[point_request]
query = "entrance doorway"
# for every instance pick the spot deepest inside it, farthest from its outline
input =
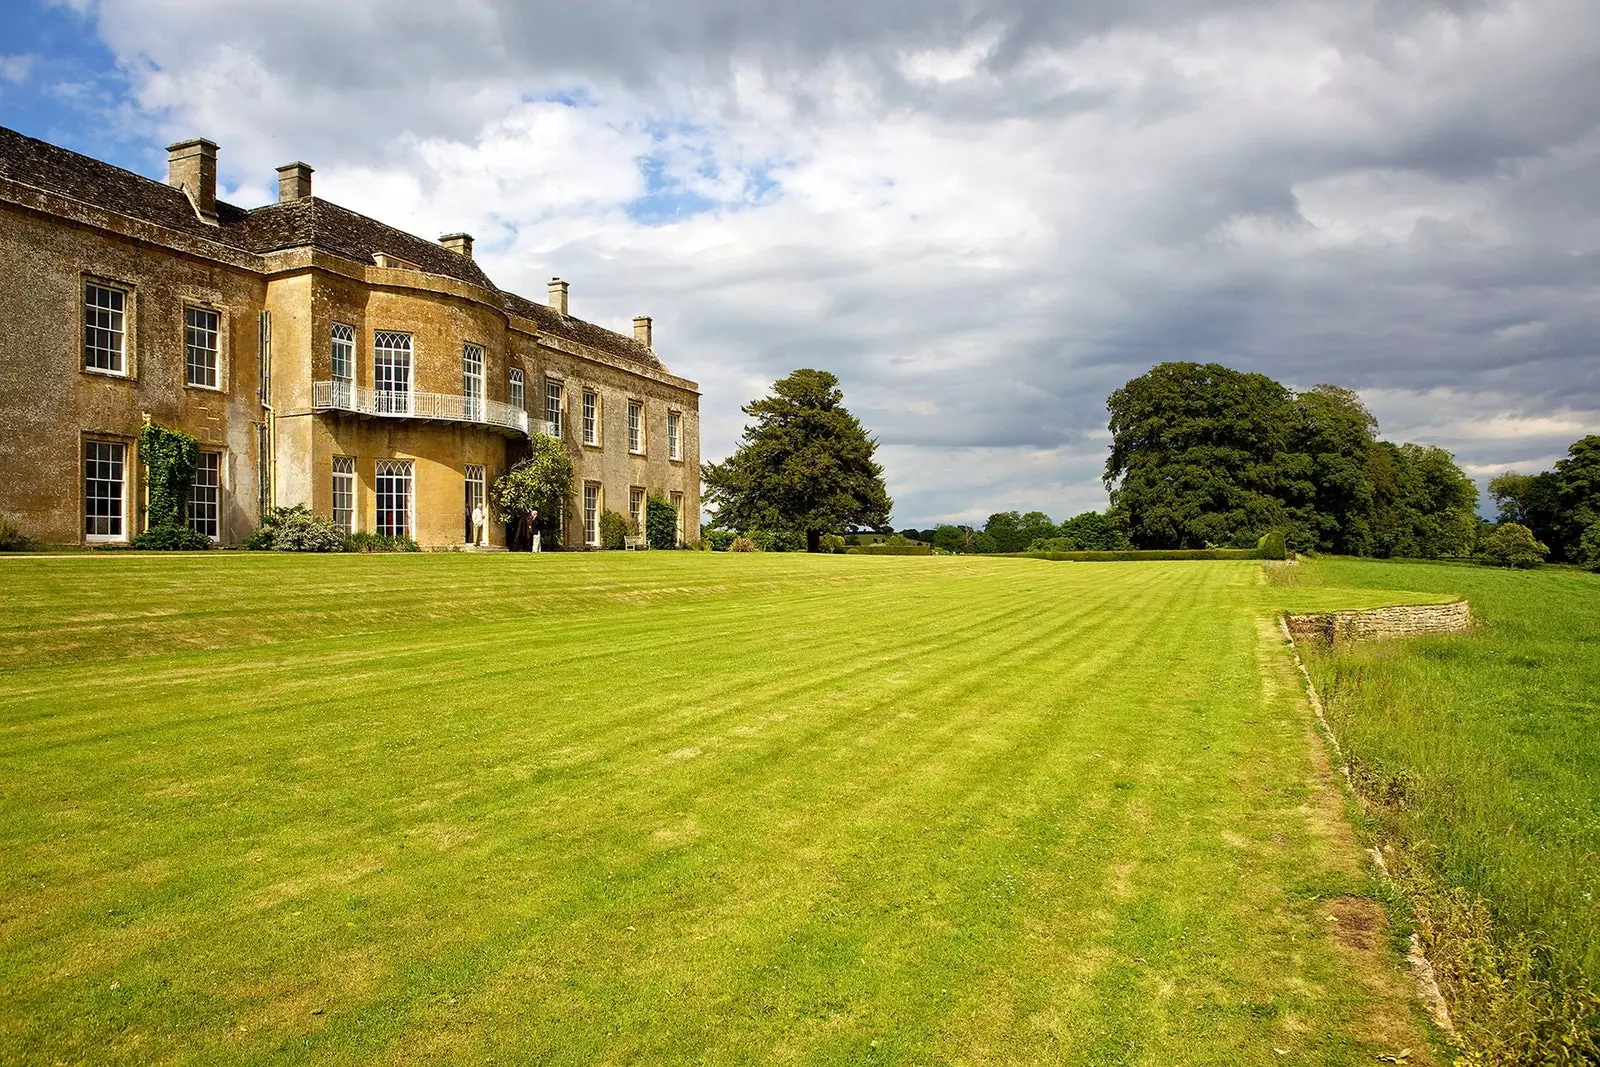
(476, 533)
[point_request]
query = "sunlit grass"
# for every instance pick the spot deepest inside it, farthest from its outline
(668, 807)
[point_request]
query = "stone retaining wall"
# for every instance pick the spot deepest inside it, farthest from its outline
(1417, 620)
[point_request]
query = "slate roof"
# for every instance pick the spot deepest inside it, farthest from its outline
(310, 222)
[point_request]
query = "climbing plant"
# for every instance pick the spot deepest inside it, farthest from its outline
(170, 456)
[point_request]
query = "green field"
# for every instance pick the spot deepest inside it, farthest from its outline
(674, 807)
(1482, 754)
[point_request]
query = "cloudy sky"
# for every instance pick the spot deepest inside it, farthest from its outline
(982, 216)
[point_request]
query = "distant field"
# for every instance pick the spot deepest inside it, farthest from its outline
(1484, 751)
(673, 807)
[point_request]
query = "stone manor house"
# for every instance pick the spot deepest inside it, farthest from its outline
(320, 358)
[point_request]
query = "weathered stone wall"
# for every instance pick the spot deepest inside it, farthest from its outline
(1417, 620)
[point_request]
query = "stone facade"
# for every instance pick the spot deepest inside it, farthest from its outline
(430, 346)
(1417, 620)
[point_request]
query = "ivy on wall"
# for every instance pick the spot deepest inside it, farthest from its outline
(170, 457)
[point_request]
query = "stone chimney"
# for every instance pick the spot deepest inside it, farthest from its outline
(459, 243)
(294, 182)
(642, 331)
(192, 167)
(558, 296)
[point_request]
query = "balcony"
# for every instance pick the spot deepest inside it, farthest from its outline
(433, 407)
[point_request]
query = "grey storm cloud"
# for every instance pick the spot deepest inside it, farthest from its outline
(983, 216)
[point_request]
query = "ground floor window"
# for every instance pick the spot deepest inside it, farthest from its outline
(636, 507)
(393, 485)
(103, 490)
(677, 505)
(591, 513)
(344, 493)
(205, 496)
(477, 515)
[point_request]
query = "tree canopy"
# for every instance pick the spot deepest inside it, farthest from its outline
(537, 483)
(1205, 455)
(804, 463)
(1559, 506)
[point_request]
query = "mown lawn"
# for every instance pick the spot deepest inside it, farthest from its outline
(1482, 753)
(672, 807)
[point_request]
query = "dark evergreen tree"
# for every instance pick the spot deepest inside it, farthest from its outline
(803, 464)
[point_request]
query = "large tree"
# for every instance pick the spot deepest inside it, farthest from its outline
(1197, 454)
(804, 464)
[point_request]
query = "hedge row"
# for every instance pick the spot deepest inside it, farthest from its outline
(889, 550)
(1130, 555)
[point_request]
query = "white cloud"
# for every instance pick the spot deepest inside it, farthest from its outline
(984, 219)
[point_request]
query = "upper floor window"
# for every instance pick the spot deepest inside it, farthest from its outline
(552, 405)
(202, 334)
(391, 373)
(591, 418)
(105, 340)
(635, 426)
(472, 379)
(515, 392)
(344, 352)
(674, 435)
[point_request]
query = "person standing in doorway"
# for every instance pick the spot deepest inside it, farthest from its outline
(535, 523)
(480, 526)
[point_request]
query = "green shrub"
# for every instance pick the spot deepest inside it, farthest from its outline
(1513, 545)
(613, 530)
(898, 541)
(831, 543)
(778, 540)
(376, 542)
(12, 539)
(1055, 544)
(742, 544)
(171, 539)
(660, 523)
(296, 529)
(890, 550)
(1273, 545)
(718, 540)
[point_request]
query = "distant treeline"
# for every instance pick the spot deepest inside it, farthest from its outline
(1009, 531)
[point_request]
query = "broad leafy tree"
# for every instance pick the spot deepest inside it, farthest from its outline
(1558, 506)
(536, 484)
(1093, 532)
(1197, 454)
(1335, 433)
(804, 463)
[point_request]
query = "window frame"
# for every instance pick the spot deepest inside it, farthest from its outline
(218, 366)
(395, 469)
(591, 418)
(517, 389)
(122, 536)
(675, 436)
(347, 476)
(335, 341)
(636, 434)
(676, 500)
(638, 505)
(592, 507)
(215, 504)
(125, 332)
(554, 389)
(472, 380)
(382, 384)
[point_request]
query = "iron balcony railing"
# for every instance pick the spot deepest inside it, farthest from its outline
(446, 407)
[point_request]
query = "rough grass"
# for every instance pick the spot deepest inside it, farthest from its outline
(1482, 756)
(671, 807)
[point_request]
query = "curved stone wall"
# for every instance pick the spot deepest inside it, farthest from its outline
(1415, 620)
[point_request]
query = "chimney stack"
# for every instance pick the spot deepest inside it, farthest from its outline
(192, 167)
(558, 296)
(642, 331)
(459, 243)
(294, 182)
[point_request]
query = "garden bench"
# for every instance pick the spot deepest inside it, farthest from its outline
(634, 542)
